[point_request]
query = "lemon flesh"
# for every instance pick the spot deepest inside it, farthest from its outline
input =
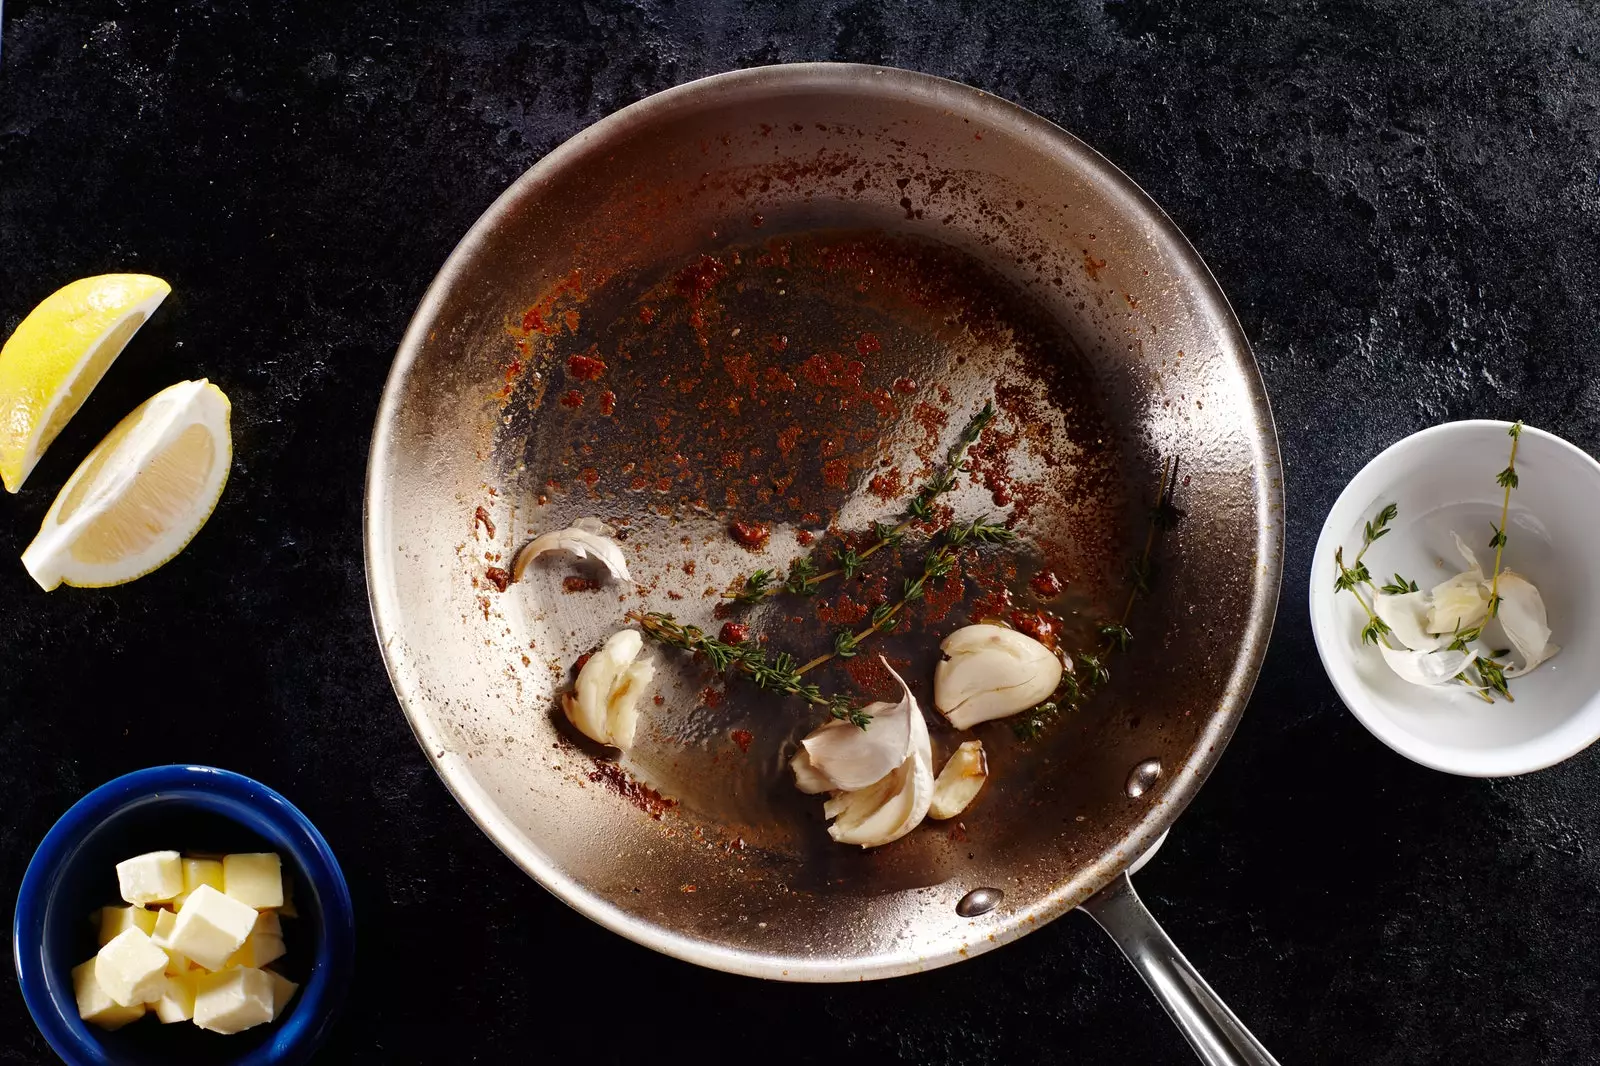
(59, 354)
(141, 495)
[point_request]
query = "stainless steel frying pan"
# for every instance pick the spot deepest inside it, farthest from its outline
(765, 303)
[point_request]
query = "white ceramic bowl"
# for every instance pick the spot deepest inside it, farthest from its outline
(1443, 480)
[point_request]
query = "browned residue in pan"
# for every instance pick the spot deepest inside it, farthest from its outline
(815, 380)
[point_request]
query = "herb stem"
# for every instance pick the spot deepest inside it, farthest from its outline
(1352, 578)
(1149, 545)
(1508, 479)
(1073, 689)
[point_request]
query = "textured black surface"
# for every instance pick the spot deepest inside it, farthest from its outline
(1401, 201)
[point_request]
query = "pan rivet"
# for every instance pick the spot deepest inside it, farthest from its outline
(1144, 777)
(979, 901)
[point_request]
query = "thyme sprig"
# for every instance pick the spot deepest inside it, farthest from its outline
(937, 565)
(804, 577)
(779, 672)
(1490, 670)
(1507, 480)
(1350, 579)
(776, 673)
(1115, 636)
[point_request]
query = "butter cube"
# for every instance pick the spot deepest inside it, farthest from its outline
(161, 929)
(283, 991)
(234, 1000)
(287, 910)
(254, 878)
(97, 1008)
(211, 927)
(269, 923)
(114, 920)
(259, 949)
(197, 872)
(178, 963)
(177, 999)
(153, 877)
(131, 969)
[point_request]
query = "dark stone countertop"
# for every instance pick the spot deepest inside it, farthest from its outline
(1400, 199)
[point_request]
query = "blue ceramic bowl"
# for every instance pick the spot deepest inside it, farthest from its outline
(187, 809)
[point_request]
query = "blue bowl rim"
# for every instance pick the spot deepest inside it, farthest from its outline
(305, 1026)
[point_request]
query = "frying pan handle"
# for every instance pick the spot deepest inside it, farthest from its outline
(1216, 1035)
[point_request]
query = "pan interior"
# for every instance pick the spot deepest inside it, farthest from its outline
(772, 304)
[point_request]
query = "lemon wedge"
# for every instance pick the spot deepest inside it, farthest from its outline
(141, 495)
(59, 354)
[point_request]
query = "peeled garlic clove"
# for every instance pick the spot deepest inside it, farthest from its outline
(958, 783)
(990, 672)
(1407, 617)
(585, 538)
(604, 704)
(1427, 668)
(1523, 617)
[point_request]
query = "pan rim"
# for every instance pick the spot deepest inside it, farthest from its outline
(386, 614)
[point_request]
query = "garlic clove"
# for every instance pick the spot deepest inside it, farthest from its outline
(893, 806)
(1522, 616)
(885, 811)
(853, 757)
(1429, 668)
(1460, 602)
(585, 538)
(990, 672)
(1407, 617)
(876, 815)
(604, 702)
(808, 778)
(622, 708)
(959, 782)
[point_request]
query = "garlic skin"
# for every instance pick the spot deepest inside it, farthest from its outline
(604, 703)
(1407, 618)
(990, 672)
(1522, 616)
(585, 538)
(1428, 668)
(959, 783)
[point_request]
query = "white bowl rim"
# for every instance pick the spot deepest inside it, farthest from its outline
(1342, 674)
